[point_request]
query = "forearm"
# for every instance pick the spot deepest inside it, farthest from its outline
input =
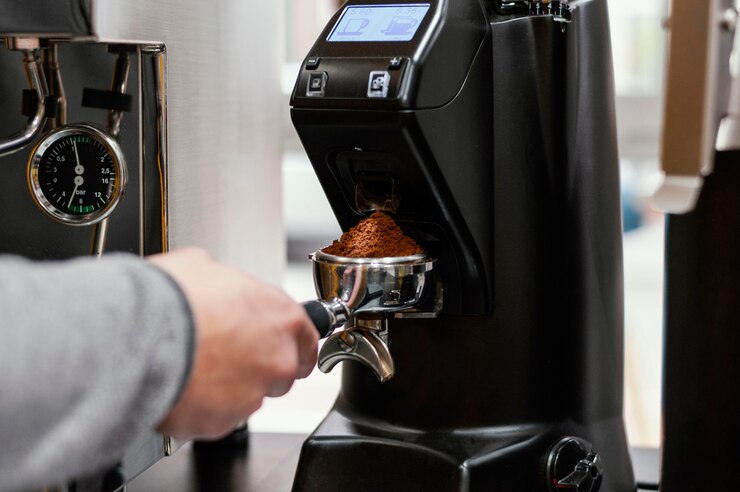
(91, 353)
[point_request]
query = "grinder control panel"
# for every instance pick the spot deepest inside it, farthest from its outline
(371, 53)
(343, 78)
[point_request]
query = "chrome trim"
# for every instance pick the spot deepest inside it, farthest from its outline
(167, 445)
(157, 55)
(352, 288)
(359, 345)
(388, 260)
(119, 163)
(100, 232)
(339, 312)
(374, 285)
(35, 75)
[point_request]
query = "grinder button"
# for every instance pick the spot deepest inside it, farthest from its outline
(378, 84)
(316, 84)
(312, 62)
(395, 63)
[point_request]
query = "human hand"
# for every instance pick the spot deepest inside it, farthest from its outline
(252, 341)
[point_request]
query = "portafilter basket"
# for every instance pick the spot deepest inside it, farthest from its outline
(373, 286)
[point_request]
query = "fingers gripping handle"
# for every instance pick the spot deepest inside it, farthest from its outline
(326, 315)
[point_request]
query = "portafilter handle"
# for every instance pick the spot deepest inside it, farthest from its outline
(327, 315)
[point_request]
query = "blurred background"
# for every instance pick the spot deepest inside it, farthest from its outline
(638, 42)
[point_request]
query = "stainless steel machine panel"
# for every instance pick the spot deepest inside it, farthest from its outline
(224, 120)
(204, 128)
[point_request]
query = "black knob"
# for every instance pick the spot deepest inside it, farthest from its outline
(573, 466)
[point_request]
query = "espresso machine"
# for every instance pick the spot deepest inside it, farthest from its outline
(493, 361)
(127, 127)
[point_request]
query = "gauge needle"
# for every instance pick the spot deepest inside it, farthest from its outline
(73, 195)
(77, 154)
(78, 182)
(78, 170)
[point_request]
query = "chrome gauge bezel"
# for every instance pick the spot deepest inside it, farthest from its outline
(119, 165)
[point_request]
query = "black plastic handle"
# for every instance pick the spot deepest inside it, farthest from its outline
(320, 317)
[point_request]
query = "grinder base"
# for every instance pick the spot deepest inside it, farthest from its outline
(349, 451)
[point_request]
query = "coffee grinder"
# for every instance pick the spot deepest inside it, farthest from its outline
(487, 129)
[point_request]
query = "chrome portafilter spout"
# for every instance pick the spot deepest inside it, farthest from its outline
(361, 294)
(365, 341)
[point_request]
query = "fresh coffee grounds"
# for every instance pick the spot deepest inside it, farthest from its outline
(377, 236)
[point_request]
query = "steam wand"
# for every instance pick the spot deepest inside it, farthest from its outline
(34, 73)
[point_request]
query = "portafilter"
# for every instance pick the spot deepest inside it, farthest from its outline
(361, 293)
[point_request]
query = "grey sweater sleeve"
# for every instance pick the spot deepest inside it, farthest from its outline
(92, 354)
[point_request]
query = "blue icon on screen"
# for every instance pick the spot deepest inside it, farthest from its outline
(401, 26)
(354, 27)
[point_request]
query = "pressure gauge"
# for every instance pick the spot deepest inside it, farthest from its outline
(77, 174)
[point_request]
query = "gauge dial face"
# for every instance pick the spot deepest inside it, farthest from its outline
(77, 174)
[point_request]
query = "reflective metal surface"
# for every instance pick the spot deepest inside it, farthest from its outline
(34, 74)
(118, 164)
(202, 140)
(224, 114)
(359, 345)
(355, 289)
(374, 285)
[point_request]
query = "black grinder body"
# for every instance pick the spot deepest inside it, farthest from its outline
(496, 137)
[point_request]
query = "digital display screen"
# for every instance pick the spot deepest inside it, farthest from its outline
(383, 23)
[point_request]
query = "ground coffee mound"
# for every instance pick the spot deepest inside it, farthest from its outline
(377, 236)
